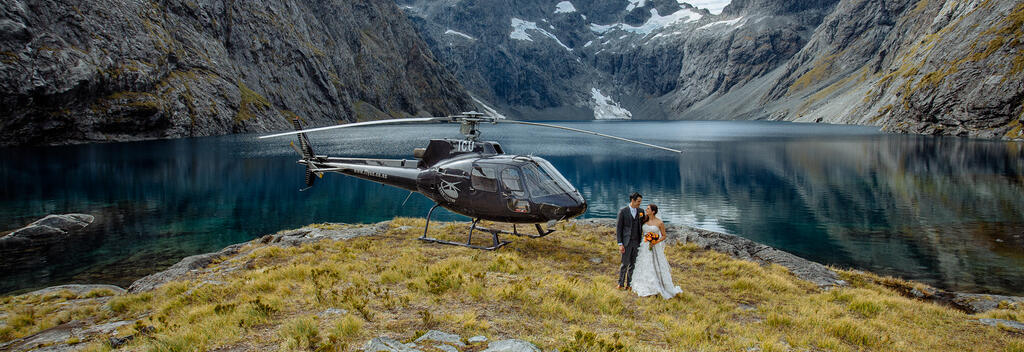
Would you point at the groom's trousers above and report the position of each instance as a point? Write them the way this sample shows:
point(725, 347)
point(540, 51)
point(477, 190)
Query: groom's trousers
point(628, 262)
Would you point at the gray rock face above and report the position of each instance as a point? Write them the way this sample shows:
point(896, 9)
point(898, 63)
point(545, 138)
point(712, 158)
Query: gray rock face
point(907, 66)
point(920, 67)
point(112, 70)
point(534, 62)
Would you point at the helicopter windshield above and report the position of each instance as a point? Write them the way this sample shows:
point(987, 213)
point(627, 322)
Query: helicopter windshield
point(540, 182)
point(546, 166)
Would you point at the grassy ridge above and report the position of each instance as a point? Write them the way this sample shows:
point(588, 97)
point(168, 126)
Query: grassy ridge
point(553, 292)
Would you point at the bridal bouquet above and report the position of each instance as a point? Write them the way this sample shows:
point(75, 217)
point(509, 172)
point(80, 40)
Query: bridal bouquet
point(651, 236)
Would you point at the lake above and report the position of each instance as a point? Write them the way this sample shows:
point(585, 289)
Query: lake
point(946, 211)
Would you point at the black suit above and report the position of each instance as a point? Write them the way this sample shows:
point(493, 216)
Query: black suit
point(627, 232)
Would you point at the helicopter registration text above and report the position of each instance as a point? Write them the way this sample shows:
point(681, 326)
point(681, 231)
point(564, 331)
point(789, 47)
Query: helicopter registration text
point(371, 173)
point(463, 146)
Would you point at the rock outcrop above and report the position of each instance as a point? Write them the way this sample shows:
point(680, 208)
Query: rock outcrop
point(113, 70)
point(742, 248)
point(946, 67)
point(441, 341)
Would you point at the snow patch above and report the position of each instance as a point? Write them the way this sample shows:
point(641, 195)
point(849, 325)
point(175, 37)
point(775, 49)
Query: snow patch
point(635, 4)
point(656, 22)
point(588, 43)
point(565, 7)
point(735, 23)
point(464, 35)
point(519, 28)
point(715, 6)
point(607, 109)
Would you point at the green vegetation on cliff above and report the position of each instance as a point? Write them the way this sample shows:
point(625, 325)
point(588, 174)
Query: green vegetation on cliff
point(555, 292)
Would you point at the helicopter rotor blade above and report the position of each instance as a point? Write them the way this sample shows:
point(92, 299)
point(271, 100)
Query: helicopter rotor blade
point(357, 124)
point(590, 132)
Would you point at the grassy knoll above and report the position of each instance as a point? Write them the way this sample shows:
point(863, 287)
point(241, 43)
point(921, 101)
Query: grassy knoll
point(553, 291)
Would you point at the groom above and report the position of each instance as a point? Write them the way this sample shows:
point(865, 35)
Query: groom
point(627, 233)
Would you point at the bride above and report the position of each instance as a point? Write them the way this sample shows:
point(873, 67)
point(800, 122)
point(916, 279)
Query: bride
point(651, 275)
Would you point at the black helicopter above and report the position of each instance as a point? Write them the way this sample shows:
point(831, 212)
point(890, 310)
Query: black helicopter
point(469, 177)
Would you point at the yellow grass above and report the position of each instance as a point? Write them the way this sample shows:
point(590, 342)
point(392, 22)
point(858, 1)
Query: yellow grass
point(548, 291)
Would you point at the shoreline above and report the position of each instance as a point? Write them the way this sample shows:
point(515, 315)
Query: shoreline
point(735, 246)
point(744, 281)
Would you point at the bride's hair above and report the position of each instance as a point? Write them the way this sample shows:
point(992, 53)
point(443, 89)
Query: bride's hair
point(654, 208)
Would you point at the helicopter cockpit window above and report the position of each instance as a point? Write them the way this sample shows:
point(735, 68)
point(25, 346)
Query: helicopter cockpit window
point(551, 171)
point(510, 179)
point(484, 178)
point(539, 182)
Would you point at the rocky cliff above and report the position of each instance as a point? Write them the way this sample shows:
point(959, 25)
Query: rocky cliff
point(920, 66)
point(75, 71)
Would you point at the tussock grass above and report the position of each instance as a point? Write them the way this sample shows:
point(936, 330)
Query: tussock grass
point(557, 292)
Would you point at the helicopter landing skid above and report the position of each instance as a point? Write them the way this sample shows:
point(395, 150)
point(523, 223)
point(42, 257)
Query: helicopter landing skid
point(540, 232)
point(469, 241)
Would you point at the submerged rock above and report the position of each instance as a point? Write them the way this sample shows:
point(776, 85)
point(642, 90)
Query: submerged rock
point(48, 229)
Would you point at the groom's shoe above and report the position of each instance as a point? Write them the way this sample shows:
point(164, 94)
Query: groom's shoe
point(619, 287)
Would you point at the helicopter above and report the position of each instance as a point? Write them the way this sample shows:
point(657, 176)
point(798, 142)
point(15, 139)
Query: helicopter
point(473, 178)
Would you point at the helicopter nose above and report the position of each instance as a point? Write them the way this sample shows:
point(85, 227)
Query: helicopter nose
point(577, 210)
point(576, 207)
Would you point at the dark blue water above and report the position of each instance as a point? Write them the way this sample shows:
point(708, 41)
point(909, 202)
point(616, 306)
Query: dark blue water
point(945, 211)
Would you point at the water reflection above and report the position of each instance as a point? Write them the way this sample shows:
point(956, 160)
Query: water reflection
point(947, 211)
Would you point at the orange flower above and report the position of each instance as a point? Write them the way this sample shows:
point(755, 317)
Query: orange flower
point(651, 237)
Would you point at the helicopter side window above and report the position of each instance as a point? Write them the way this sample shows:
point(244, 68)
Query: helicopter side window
point(484, 178)
point(510, 179)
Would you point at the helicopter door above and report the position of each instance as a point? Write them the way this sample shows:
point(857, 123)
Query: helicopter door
point(512, 185)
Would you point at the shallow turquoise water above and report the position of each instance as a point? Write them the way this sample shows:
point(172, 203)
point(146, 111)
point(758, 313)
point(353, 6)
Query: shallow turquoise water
point(942, 210)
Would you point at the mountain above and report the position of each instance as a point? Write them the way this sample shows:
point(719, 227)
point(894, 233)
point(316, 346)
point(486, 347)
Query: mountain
point(100, 70)
point(937, 67)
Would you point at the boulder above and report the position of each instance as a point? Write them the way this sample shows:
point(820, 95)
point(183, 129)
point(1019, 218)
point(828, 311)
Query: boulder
point(511, 345)
point(387, 344)
point(446, 348)
point(55, 338)
point(477, 339)
point(1009, 324)
point(443, 337)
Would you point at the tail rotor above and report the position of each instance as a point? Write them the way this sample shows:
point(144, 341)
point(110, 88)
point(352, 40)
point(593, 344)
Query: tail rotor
point(305, 150)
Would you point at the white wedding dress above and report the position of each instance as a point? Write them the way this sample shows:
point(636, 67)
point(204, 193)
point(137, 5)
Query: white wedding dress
point(651, 274)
